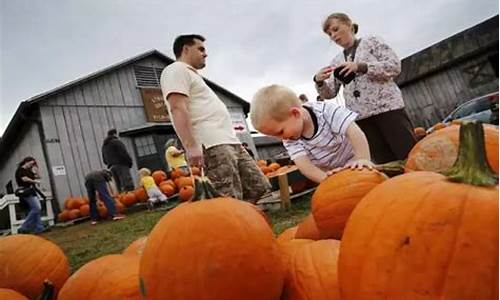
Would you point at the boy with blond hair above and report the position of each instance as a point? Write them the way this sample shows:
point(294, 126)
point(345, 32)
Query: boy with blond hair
point(320, 137)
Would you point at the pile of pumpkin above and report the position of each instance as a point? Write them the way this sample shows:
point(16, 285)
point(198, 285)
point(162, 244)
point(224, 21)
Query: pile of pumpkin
point(420, 235)
point(274, 169)
point(179, 181)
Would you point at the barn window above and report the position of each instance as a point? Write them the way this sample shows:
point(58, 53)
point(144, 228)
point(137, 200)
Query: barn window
point(147, 76)
point(145, 145)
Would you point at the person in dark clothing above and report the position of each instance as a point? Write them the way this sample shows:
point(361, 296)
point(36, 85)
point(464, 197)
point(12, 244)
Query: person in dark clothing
point(96, 181)
point(117, 159)
point(27, 178)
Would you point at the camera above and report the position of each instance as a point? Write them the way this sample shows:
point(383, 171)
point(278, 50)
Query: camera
point(345, 79)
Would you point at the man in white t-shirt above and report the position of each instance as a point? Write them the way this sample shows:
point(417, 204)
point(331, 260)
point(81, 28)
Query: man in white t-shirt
point(202, 121)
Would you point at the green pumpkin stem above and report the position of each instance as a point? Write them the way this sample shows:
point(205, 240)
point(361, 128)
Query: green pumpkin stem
point(48, 291)
point(471, 166)
point(392, 168)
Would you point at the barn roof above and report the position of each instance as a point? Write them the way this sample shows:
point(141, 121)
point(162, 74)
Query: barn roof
point(448, 52)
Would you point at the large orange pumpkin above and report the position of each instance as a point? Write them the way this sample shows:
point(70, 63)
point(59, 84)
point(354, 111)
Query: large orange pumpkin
point(8, 294)
point(136, 247)
point(27, 260)
point(423, 235)
point(336, 197)
point(312, 272)
point(159, 176)
point(307, 229)
point(107, 277)
point(438, 151)
point(212, 249)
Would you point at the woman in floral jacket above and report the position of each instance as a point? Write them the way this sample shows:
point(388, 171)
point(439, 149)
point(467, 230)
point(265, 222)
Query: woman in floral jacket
point(372, 93)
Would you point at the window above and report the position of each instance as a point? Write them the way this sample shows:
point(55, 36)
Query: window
point(145, 145)
point(147, 76)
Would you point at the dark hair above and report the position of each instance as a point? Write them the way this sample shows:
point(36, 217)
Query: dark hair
point(344, 18)
point(112, 131)
point(25, 160)
point(182, 40)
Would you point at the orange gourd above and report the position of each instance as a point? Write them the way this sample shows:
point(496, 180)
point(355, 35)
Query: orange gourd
point(128, 199)
point(419, 131)
point(274, 166)
point(167, 188)
point(159, 176)
point(136, 247)
point(307, 229)
point(63, 216)
point(27, 260)
point(336, 197)
point(186, 193)
point(102, 210)
point(218, 249)
point(195, 171)
point(120, 208)
point(141, 195)
point(312, 272)
point(84, 210)
point(8, 294)
point(288, 234)
point(424, 235)
point(183, 181)
point(438, 151)
point(105, 278)
point(74, 214)
point(439, 126)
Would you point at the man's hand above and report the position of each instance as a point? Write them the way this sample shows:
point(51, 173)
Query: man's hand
point(194, 155)
point(358, 164)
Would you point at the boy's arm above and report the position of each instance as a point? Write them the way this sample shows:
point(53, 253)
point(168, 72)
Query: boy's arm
point(309, 170)
point(360, 147)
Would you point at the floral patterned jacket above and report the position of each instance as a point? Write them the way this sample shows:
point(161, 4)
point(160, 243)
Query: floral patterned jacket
point(378, 92)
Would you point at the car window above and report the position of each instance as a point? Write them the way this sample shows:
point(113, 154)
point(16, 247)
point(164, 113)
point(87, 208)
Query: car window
point(472, 107)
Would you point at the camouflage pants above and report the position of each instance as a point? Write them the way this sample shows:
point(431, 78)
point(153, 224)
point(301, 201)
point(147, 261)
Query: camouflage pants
point(234, 173)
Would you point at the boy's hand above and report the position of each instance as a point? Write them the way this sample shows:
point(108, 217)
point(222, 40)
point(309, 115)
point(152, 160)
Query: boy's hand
point(355, 164)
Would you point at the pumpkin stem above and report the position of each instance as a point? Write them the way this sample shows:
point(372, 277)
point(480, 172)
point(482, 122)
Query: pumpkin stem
point(392, 168)
point(48, 291)
point(471, 166)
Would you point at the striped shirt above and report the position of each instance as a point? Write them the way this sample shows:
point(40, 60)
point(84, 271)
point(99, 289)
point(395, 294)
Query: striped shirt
point(329, 147)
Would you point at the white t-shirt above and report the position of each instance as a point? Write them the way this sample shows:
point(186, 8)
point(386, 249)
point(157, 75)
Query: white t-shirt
point(210, 119)
point(329, 147)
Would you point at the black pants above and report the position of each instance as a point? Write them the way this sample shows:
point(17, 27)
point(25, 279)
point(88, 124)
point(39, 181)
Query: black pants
point(390, 135)
point(123, 179)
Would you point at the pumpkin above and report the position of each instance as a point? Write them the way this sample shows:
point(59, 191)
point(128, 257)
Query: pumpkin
point(176, 173)
point(120, 208)
point(261, 163)
point(212, 249)
point(186, 193)
point(69, 203)
point(424, 235)
point(107, 277)
point(312, 272)
point(63, 216)
point(141, 195)
point(266, 170)
point(102, 210)
point(85, 210)
point(183, 181)
point(128, 199)
point(337, 196)
point(8, 294)
point(74, 214)
point(288, 234)
point(274, 166)
point(438, 151)
point(288, 248)
point(307, 229)
point(159, 176)
point(419, 132)
point(27, 260)
point(167, 188)
point(136, 247)
point(438, 126)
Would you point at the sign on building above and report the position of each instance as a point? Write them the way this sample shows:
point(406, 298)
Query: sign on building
point(156, 110)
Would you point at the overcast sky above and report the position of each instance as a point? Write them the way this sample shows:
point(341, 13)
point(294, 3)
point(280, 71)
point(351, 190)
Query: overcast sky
point(250, 43)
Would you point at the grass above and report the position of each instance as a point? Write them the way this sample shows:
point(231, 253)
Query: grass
point(84, 242)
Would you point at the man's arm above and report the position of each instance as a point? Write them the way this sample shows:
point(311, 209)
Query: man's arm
point(183, 128)
point(309, 170)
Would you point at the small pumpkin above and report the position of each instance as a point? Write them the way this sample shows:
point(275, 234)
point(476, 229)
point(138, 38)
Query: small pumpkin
point(159, 176)
point(274, 166)
point(336, 197)
point(186, 193)
point(63, 216)
point(85, 210)
point(419, 132)
point(107, 277)
point(167, 188)
point(128, 199)
point(183, 181)
point(307, 229)
point(141, 195)
point(74, 214)
point(27, 260)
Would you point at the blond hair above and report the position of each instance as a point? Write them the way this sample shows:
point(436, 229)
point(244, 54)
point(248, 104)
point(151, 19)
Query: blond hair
point(144, 172)
point(274, 102)
point(342, 18)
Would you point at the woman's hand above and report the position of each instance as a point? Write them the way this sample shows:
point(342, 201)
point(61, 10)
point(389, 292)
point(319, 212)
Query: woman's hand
point(349, 67)
point(323, 74)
